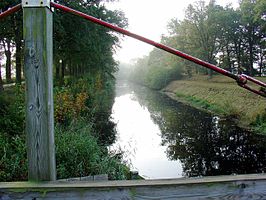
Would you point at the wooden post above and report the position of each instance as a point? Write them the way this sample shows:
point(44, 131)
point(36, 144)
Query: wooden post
point(38, 38)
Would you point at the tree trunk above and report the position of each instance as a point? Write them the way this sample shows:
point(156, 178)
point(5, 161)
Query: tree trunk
point(261, 64)
point(7, 46)
point(57, 71)
point(17, 28)
point(63, 69)
point(251, 39)
point(1, 80)
point(18, 60)
point(62, 72)
point(251, 59)
point(210, 74)
point(237, 53)
point(75, 70)
point(70, 69)
point(228, 58)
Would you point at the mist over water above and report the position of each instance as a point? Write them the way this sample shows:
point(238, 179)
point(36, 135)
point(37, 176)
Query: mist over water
point(166, 139)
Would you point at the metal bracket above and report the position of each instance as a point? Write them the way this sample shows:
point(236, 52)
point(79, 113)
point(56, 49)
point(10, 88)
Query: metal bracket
point(36, 3)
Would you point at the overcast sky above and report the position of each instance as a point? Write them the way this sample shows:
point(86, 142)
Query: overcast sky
point(149, 19)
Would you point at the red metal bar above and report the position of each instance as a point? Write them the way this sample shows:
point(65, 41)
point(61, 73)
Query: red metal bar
point(258, 92)
point(258, 82)
point(10, 11)
point(241, 79)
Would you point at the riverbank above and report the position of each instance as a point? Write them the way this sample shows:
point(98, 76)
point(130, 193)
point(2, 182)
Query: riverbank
point(222, 96)
point(82, 134)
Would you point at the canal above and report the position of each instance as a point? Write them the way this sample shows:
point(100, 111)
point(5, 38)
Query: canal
point(162, 138)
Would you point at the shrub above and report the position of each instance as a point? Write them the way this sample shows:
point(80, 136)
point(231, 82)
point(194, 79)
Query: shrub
point(83, 130)
point(260, 123)
point(13, 158)
point(78, 154)
point(12, 112)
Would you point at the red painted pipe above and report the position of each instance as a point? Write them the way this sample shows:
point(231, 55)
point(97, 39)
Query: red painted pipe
point(241, 79)
point(258, 92)
point(10, 11)
point(258, 82)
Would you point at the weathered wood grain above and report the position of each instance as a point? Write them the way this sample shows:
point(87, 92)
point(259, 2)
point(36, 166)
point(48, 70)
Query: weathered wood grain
point(224, 187)
point(39, 93)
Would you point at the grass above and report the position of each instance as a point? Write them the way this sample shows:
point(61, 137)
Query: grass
point(200, 103)
point(221, 95)
point(78, 154)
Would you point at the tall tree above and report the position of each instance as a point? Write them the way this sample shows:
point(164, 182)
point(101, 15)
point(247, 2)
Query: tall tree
point(205, 26)
point(7, 49)
point(11, 34)
point(1, 80)
point(89, 48)
point(230, 39)
point(260, 18)
point(18, 37)
point(250, 32)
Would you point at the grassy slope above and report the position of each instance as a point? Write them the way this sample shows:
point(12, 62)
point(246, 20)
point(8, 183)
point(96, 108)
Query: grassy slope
point(220, 95)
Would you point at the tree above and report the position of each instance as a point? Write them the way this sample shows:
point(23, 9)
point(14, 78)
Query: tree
point(6, 43)
point(88, 49)
point(182, 38)
point(260, 17)
point(230, 39)
point(250, 32)
point(205, 27)
point(1, 80)
point(10, 36)
point(17, 25)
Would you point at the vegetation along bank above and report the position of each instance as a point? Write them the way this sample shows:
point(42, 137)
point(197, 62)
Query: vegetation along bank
point(231, 38)
point(83, 94)
point(221, 95)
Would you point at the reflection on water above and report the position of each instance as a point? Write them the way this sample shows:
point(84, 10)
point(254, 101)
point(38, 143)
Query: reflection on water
point(167, 139)
point(141, 137)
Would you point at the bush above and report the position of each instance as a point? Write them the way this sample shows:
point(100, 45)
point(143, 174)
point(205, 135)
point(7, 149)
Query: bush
point(12, 112)
point(83, 130)
point(13, 158)
point(78, 154)
point(260, 123)
point(157, 78)
point(155, 74)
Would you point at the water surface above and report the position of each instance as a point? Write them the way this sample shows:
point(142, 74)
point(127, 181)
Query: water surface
point(166, 139)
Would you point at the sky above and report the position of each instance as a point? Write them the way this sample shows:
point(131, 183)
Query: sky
point(149, 18)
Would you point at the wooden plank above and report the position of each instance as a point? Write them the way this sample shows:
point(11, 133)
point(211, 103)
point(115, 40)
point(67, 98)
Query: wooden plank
point(224, 187)
point(39, 93)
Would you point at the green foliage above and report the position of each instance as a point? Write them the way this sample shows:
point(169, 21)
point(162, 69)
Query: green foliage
point(201, 103)
point(89, 48)
point(86, 129)
point(157, 70)
point(158, 78)
point(85, 56)
point(233, 39)
point(13, 163)
point(260, 123)
point(12, 112)
point(13, 158)
point(78, 154)
point(83, 130)
point(90, 97)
